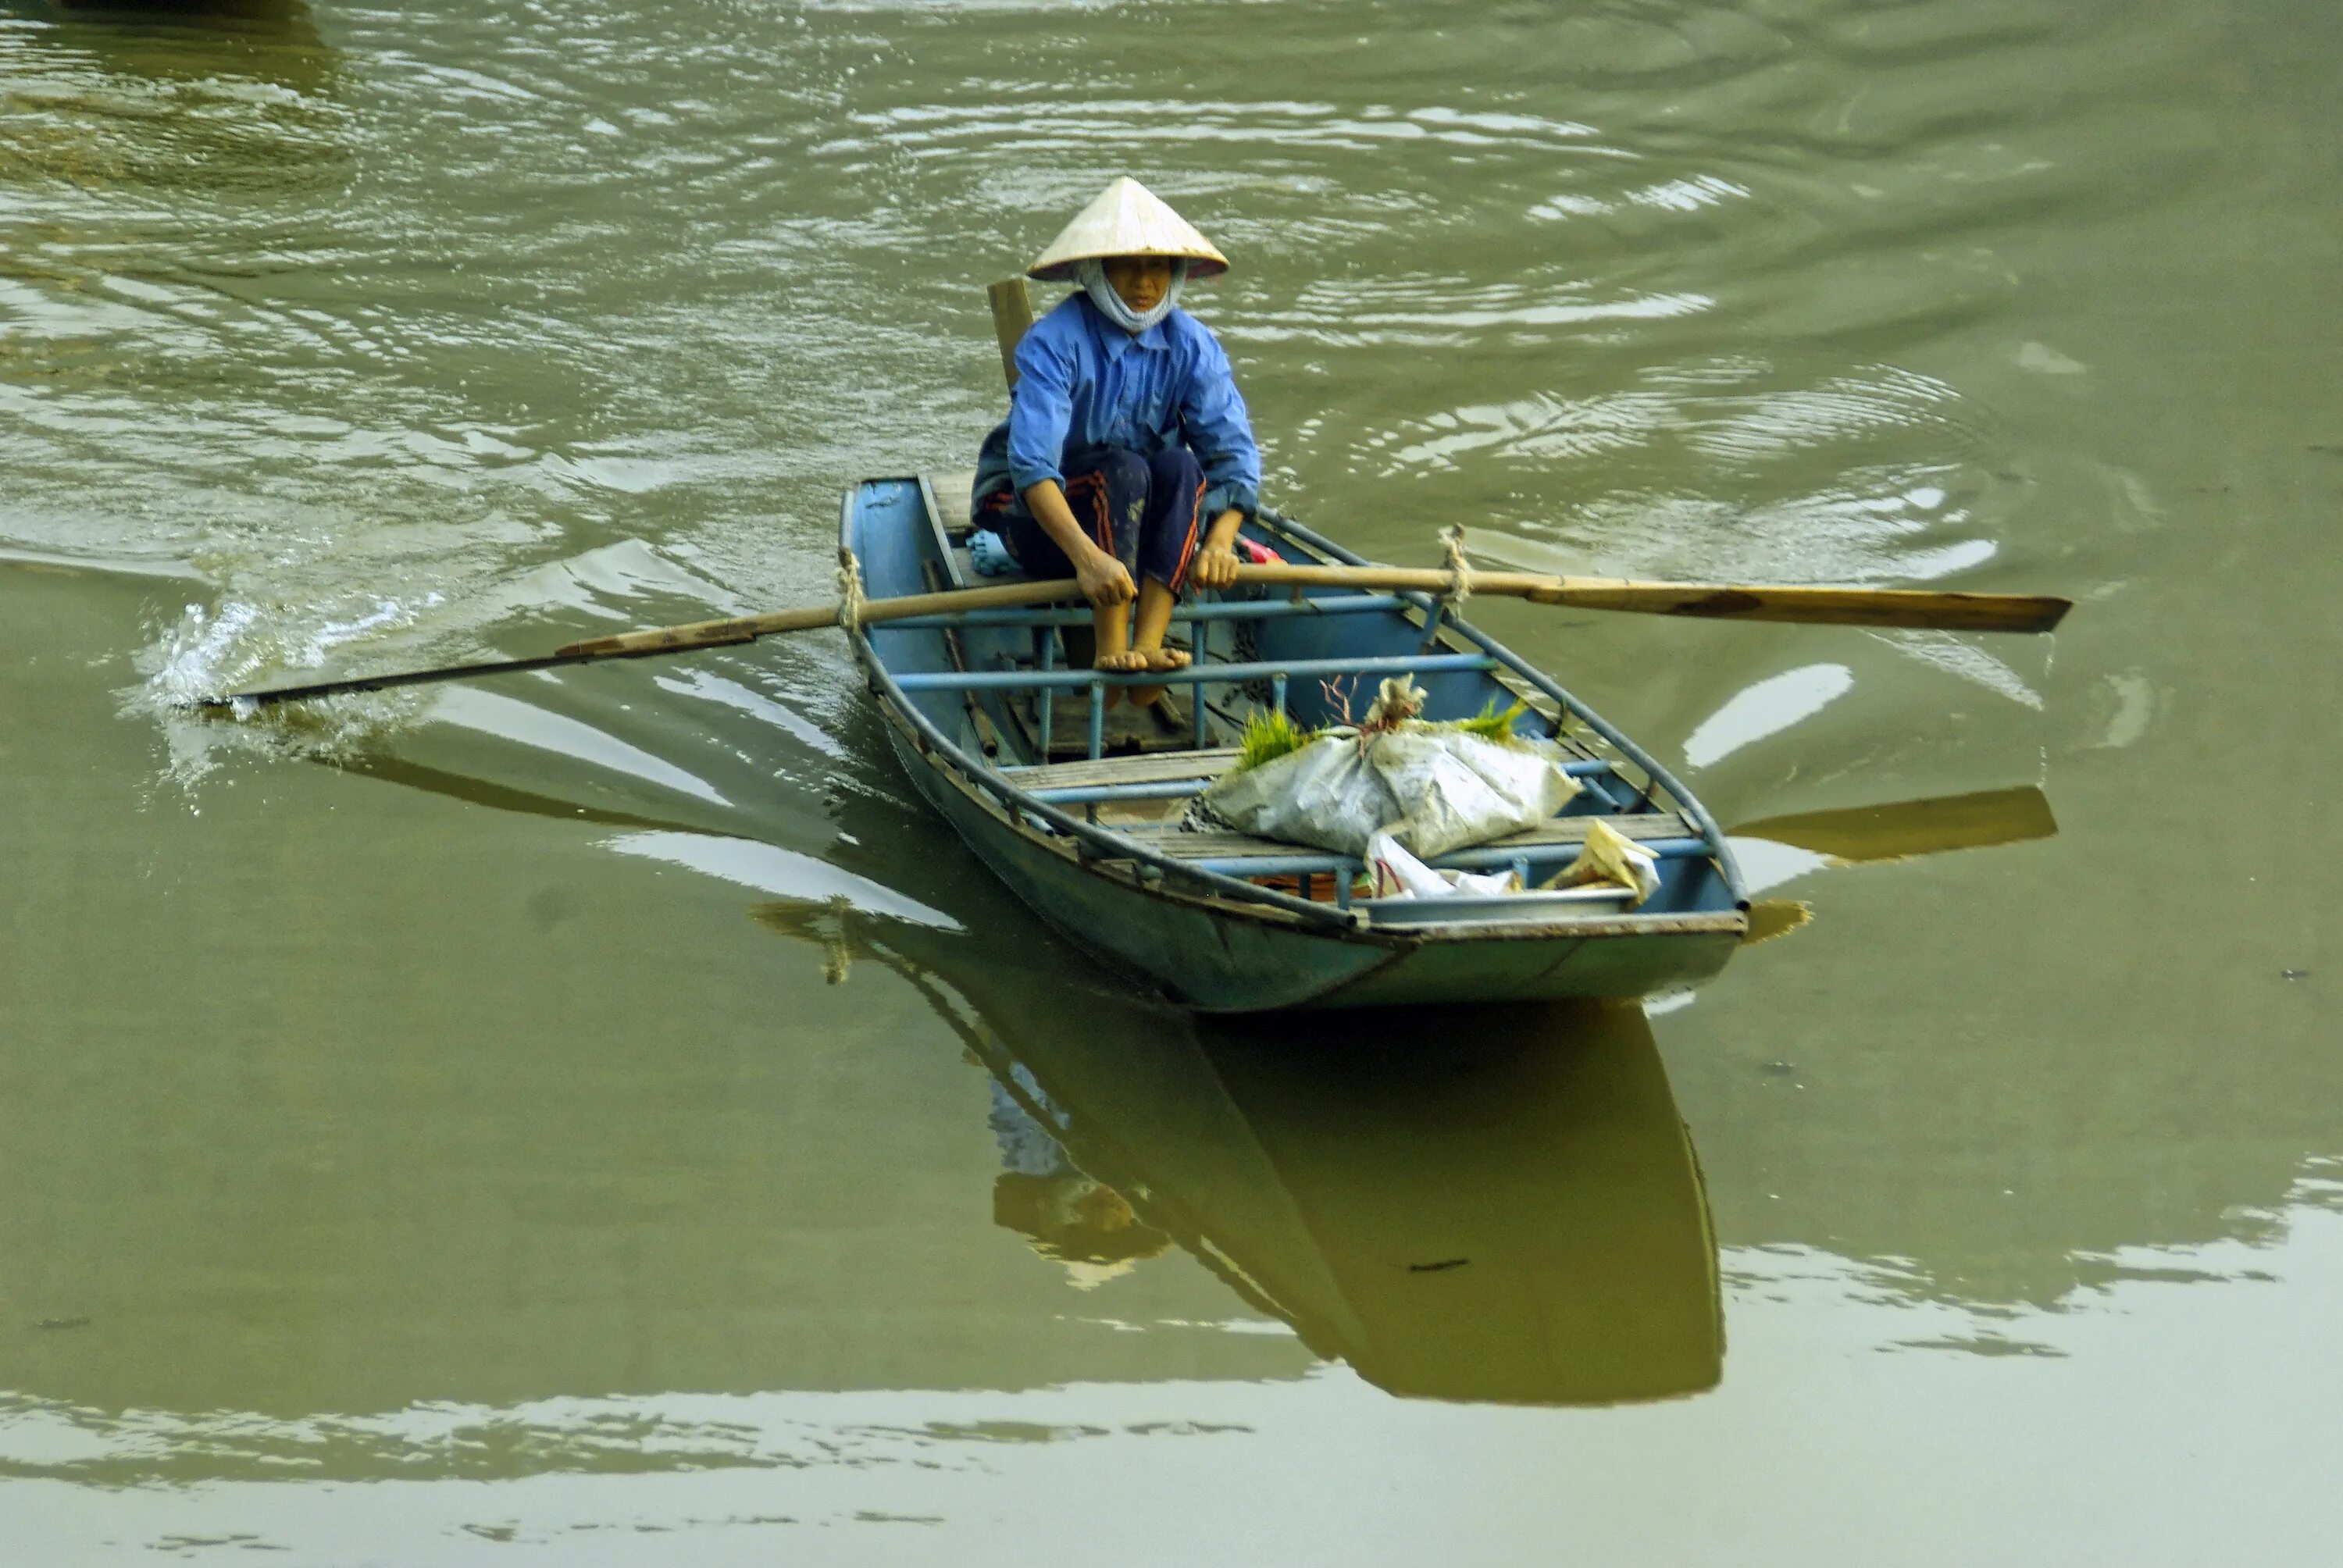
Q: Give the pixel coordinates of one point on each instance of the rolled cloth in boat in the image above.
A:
(1610, 855)
(1431, 787)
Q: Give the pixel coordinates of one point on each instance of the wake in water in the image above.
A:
(239, 646)
(205, 653)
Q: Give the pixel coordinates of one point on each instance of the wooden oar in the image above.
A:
(1905, 607)
(673, 639)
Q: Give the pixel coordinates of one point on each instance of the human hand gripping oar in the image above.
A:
(1912, 609)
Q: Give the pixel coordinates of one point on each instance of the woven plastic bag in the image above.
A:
(1433, 787)
(1400, 875)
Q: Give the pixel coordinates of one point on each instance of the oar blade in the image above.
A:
(249, 701)
(1906, 827)
(1911, 610)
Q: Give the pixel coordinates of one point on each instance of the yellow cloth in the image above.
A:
(1610, 855)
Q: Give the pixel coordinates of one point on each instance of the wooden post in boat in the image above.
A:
(1012, 314)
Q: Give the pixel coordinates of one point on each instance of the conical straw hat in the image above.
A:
(1127, 219)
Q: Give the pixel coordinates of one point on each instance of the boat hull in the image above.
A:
(1202, 955)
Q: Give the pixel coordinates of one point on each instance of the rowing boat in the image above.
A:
(1081, 807)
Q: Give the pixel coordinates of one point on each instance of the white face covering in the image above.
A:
(1091, 276)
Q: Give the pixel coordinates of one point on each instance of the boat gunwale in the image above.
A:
(1093, 846)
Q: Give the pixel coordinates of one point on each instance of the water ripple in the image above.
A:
(371, 313)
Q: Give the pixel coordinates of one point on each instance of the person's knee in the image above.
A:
(1175, 471)
(1126, 472)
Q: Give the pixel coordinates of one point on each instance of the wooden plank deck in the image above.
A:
(1155, 768)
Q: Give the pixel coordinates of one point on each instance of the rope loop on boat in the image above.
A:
(1460, 572)
(850, 590)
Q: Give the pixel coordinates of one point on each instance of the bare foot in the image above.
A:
(1129, 661)
(1157, 658)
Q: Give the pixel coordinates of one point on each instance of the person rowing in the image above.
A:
(1128, 460)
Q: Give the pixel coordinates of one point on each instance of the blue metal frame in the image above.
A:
(1227, 609)
(1194, 675)
(1306, 862)
(1176, 789)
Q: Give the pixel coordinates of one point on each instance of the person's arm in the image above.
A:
(1040, 411)
(1103, 579)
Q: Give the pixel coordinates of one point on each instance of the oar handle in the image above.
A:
(749, 628)
(700, 634)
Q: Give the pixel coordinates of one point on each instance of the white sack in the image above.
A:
(1431, 787)
(1460, 790)
(1400, 875)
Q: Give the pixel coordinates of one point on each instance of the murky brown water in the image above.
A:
(603, 1112)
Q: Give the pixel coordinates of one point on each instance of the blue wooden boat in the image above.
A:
(1078, 807)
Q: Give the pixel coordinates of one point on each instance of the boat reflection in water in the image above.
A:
(195, 41)
(1066, 1213)
(1496, 1204)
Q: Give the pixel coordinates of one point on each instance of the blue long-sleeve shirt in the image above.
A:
(1084, 382)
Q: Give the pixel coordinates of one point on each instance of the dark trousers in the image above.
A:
(1143, 511)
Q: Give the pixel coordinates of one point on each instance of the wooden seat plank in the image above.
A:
(955, 491)
(1152, 769)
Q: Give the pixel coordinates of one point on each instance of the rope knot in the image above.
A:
(849, 591)
(1460, 572)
